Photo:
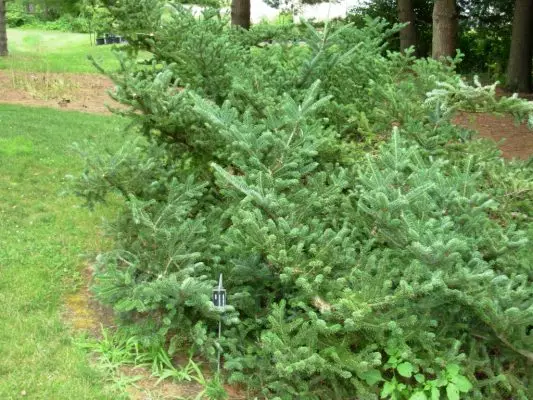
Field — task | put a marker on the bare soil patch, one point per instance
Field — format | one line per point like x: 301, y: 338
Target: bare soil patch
x: 146, y: 387
x: 83, y: 312
x: 516, y: 139
x: 73, y: 92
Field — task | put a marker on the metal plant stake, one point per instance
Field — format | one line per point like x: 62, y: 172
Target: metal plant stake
x: 219, y: 300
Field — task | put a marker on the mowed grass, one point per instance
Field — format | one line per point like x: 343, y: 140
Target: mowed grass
x: 46, y: 51
x: 46, y: 239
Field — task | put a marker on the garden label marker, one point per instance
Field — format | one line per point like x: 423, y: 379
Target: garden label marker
x: 219, y: 300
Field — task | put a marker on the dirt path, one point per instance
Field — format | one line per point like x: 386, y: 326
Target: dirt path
x: 88, y: 93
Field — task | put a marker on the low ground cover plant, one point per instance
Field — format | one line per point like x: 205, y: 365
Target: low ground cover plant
x: 370, y: 248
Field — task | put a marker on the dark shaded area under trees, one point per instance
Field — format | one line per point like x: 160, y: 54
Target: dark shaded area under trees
x: 495, y: 40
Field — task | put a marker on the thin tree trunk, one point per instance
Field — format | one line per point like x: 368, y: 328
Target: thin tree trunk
x: 296, y: 8
x: 520, y: 64
x: 240, y: 13
x: 406, y: 13
x: 445, y: 28
x: 3, y: 32
x: 44, y: 11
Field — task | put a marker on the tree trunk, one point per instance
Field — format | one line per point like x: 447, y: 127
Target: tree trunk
x: 44, y: 11
x: 445, y: 28
x: 296, y: 7
x: 519, y: 67
x: 240, y: 13
x: 406, y: 13
x: 3, y: 32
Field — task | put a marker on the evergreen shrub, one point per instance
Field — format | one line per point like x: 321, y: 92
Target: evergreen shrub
x: 370, y: 248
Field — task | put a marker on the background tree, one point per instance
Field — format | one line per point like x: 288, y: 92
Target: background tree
x: 484, y: 35
x: 3, y: 32
x: 519, y: 68
x: 50, y: 9
x: 240, y: 13
x: 406, y: 13
x: 391, y: 10
x: 240, y: 9
x: 445, y: 28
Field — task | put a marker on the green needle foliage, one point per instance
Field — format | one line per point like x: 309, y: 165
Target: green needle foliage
x: 400, y: 273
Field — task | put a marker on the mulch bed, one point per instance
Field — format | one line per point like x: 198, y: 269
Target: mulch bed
x: 516, y: 141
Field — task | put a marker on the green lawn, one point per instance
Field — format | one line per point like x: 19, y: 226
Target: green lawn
x: 46, y: 51
x: 45, y: 240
